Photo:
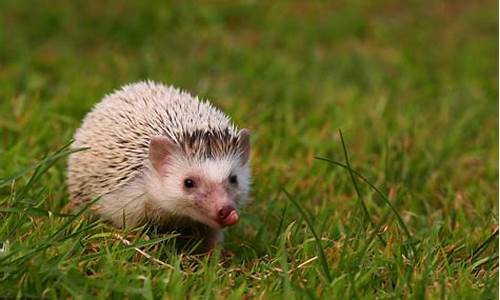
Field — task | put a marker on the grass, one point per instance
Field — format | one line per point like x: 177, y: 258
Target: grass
x: 403, y: 205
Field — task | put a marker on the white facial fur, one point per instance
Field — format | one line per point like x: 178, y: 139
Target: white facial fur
x: 166, y: 186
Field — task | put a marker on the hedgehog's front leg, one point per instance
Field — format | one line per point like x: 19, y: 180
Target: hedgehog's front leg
x: 213, y: 238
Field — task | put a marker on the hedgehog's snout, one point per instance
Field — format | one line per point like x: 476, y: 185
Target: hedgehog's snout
x: 227, y: 216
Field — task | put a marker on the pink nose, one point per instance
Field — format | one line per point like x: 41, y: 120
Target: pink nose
x: 227, y: 216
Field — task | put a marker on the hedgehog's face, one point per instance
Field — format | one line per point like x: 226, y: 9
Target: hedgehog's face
x: 209, y: 191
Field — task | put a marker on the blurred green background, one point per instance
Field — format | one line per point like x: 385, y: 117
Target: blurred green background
x: 412, y: 84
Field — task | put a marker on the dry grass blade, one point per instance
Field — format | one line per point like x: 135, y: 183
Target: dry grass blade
x: 142, y: 252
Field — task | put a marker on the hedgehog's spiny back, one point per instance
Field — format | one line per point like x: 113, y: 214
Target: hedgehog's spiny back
x: 119, y: 129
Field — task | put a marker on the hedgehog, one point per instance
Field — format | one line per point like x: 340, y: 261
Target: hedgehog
x: 154, y: 154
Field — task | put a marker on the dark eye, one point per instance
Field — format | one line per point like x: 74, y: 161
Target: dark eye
x: 233, y: 179
x: 189, y: 183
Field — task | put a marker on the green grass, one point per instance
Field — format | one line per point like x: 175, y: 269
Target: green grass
x: 413, y: 85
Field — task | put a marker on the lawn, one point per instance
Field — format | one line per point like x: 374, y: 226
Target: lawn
x: 403, y: 204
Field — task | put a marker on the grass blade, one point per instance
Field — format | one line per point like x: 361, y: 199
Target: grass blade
x: 372, y: 186
x: 481, y: 247
x: 49, y: 160
x: 321, y: 253
x: 355, y: 184
x: 282, y: 221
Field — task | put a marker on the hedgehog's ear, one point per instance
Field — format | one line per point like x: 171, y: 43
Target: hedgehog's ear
x: 244, y: 145
x: 160, y: 148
